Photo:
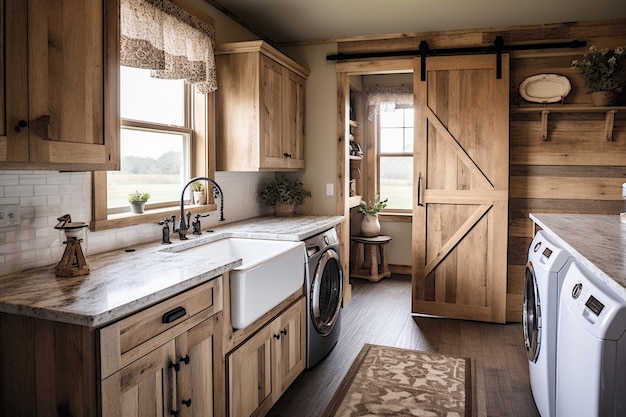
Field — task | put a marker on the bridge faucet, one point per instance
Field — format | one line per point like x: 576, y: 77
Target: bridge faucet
x: 184, y: 226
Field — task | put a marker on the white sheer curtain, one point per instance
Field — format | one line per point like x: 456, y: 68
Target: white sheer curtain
x: 162, y: 37
x: 388, y: 97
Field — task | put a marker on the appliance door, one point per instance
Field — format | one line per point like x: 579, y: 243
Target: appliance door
x: 531, y: 315
x: 326, y: 292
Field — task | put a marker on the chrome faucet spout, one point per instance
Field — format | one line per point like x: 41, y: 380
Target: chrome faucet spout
x: 184, y: 226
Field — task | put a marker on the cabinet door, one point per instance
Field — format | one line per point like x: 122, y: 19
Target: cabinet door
x: 250, y: 376
x: 293, y: 120
x: 271, y: 80
x: 70, y: 120
x: 289, y: 336
x: 146, y: 387
x: 200, y: 380
x: 13, y: 81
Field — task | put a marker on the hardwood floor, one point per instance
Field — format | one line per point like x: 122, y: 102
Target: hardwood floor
x: 380, y: 314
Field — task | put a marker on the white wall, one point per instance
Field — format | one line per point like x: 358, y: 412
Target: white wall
x: 321, y: 125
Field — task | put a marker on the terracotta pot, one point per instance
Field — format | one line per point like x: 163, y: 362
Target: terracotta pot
x: 603, y: 98
x: 284, y: 209
x: 370, y: 226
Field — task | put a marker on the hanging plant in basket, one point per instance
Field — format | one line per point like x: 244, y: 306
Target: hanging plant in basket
x: 284, y: 194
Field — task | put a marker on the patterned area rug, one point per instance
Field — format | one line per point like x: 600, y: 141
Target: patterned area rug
x: 388, y: 381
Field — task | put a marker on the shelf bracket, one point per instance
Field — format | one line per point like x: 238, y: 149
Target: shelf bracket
x: 544, y: 125
x: 608, y: 125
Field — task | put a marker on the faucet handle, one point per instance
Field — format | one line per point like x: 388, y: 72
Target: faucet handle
x: 165, y: 238
x: 196, y: 225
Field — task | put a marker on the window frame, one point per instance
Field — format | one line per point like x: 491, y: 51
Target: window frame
x: 377, y: 138
x: 202, y: 142
x: 202, y: 152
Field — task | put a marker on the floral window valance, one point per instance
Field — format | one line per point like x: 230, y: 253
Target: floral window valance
x: 162, y: 37
x: 390, y: 97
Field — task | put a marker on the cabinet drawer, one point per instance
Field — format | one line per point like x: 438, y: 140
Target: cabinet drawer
x: 132, y: 337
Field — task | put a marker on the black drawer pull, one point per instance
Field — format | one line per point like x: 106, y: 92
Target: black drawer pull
x: 174, y: 315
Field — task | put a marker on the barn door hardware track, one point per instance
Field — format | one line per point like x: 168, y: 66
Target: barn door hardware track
x: 424, y: 51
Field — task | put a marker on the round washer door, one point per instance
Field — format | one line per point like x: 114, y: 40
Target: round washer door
x: 531, y: 315
x: 326, y: 292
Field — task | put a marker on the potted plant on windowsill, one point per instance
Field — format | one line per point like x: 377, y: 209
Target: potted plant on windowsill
x: 604, y: 74
x: 138, y: 201
x: 370, y: 226
x: 284, y: 194
x: 199, y: 195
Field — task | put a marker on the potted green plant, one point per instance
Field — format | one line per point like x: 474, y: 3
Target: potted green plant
x: 604, y: 74
x: 370, y: 226
x: 199, y: 195
x: 284, y: 194
x: 137, y: 201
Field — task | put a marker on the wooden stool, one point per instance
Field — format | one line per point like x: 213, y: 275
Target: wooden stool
x: 370, y: 258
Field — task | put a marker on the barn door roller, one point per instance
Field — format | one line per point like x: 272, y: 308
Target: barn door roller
x: 424, y: 51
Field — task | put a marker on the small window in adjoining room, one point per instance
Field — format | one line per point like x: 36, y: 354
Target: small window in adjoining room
x: 395, y: 156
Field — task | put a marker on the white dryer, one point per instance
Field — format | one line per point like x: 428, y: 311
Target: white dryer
x: 591, y: 354
x: 545, y: 272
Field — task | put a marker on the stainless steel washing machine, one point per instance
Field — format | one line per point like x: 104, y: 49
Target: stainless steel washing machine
x: 324, y: 283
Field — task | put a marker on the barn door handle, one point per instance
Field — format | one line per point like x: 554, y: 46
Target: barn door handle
x: 419, y: 190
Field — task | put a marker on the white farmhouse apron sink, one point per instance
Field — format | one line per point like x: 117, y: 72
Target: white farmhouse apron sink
x: 271, y: 271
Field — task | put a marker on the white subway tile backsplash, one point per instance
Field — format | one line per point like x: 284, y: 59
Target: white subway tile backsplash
x: 33, y: 201
x: 32, y: 179
x: 44, y: 196
x: 18, y: 191
x: 46, y: 189
x: 9, y: 179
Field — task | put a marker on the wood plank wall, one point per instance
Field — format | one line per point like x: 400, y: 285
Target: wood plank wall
x: 577, y: 170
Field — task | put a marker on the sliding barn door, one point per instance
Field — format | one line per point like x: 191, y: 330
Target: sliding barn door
x: 460, y: 218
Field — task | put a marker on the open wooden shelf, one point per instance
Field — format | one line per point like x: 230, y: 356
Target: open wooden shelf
x: 354, y: 201
x: 570, y: 108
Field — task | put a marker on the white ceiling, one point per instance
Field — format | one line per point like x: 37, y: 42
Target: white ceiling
x: 284, y: 21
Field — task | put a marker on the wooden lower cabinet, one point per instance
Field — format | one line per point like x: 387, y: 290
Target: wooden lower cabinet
x: 166, y: 357
x: 262, y: 368
x: 146, y: 385
x: 182, y: 376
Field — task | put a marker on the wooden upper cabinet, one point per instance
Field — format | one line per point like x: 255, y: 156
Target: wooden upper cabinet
x: 259, y: 109
x: 60, y: 106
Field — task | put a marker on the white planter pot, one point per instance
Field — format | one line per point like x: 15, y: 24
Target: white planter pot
x: 370, y: 226
x: 199, y: 197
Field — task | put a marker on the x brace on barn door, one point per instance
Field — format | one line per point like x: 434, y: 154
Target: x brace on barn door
x: 498, y: 48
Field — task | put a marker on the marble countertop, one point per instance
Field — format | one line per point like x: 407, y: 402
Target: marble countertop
x: 126, y: 280
x: 597, y: 241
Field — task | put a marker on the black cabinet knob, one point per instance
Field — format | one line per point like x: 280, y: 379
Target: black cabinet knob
x: 20, y: 125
